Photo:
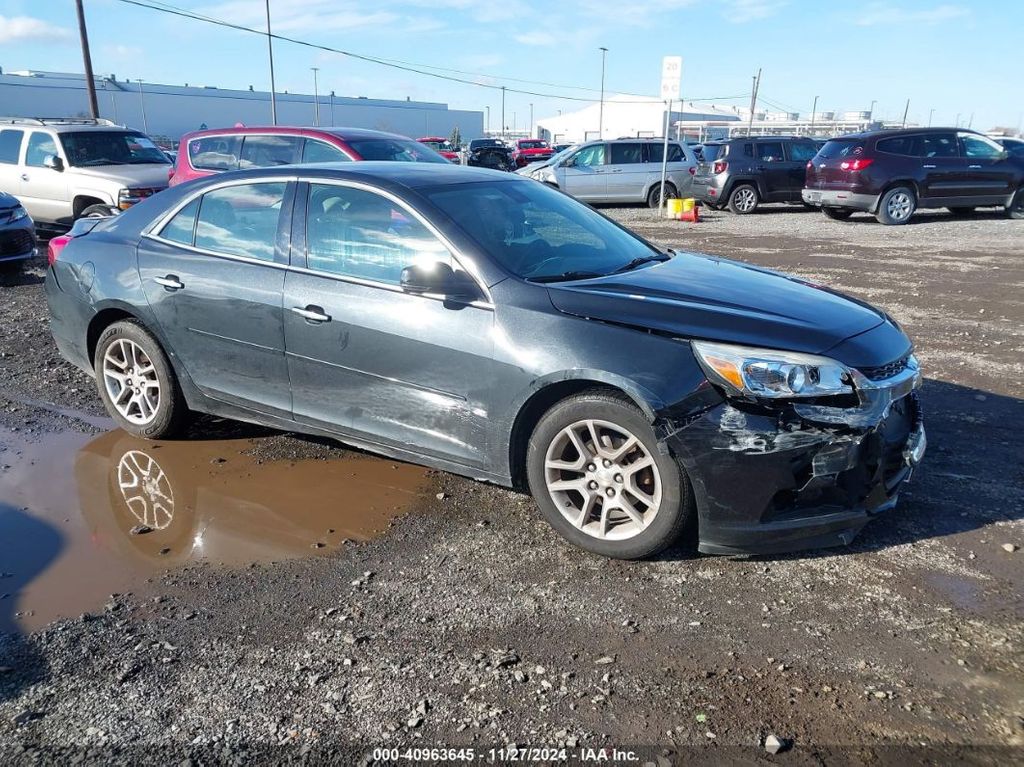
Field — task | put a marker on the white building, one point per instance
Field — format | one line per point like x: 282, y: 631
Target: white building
x: 625, y: 116
x: 168, y: 111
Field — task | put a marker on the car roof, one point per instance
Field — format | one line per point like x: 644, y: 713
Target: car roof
x: 412, y: 175
x: 345, y: 134
x: 887, y: 132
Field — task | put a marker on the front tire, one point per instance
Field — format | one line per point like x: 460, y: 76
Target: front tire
x: 597, y: 473
x: 96, y: 211
x: 896, y: 206
x: 744, y: 199
x: 837, y: 214
x: 137, y: 383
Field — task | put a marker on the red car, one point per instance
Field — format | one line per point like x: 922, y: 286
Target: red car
x: 531, y: 150
x: 213, y: 151
x: 442, y: 146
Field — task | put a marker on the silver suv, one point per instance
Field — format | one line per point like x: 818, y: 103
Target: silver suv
x: 65, y: 169
x: 622, y: 170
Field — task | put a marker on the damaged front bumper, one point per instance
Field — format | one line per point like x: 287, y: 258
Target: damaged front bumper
x: 770, y: 478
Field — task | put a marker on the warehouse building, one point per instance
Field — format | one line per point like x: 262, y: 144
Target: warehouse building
x: 168, y: 111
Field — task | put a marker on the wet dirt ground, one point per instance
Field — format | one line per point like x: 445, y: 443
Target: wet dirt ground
x: 466, y: 621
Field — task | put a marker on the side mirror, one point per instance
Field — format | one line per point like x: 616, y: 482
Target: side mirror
x: 440, y: 279
x: 569, y: 162
x: 53, y: 162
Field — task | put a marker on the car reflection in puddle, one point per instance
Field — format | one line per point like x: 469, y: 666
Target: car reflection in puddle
x: 143, y: 507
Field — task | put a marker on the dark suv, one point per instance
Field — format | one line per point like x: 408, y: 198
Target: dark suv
x: 892, y: 173
x: 744, y: 172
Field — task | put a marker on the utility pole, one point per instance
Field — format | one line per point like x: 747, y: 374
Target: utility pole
x: 753, y: 101
x: 487, y: 128
x: 814, y: 112
x: 531, y: 119
x: 316, y: 99
x: 905, y: 110
x: 503, y: 126
x: 871, y: 110
x: 600, y: 113
x: 142, y: 102
x: 332, y: 108
x: 90, y: 84
x: 270, y: 49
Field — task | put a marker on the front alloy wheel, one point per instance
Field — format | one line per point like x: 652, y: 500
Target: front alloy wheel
x: 599, y: 476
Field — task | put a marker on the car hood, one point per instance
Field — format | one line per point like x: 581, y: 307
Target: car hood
x: 148, y: 176
x: 7, y: 201
x: 701, y: 297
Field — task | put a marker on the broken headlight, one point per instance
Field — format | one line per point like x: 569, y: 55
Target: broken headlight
x: 752, y: 372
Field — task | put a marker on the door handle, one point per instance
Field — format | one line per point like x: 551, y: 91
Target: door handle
x: 973, y: 167
x: 24, y: 177
x: 170, y: 282
x: 617, y: 170
x: 312, y: 313
x: 928, y: 167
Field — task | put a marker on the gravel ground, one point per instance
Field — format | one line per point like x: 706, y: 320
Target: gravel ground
x: 469, y: 623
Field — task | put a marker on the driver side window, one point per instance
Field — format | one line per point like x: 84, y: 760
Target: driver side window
x: 978, y: 148
x: 590, y: 156
x: 40, y: 146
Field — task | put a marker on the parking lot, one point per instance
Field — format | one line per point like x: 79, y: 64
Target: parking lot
x: 417, y: 607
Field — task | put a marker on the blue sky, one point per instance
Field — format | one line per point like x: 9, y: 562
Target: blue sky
x: 956, y: 57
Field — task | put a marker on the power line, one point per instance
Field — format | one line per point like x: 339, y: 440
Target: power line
x: 155, y: 5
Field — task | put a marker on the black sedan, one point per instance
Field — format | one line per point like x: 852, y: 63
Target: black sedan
x: 490, y: 326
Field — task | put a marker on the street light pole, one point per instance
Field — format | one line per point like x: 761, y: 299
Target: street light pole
x: 531, y: 119
x: 905, y: 110
x: 332, y: 108
x: 814, y: 111
x: 142, y: 103
x: 487, y: 129
x: 270, y: 49
x: 930, y: 113
x: 871, y: 110
x: 503, y: 111
x: 600, y: 112
x: 316, y: 98
x: 90, y: 84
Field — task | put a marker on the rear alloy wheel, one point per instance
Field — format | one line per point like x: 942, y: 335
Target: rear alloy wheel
x: 1016, y: 208
x: 137, y: 383
x: 962, y: 212
x: 837, y: 214
x: 896, y: 206
x: 598, y: 476
x: 654, y: 196
x: 744, y: 199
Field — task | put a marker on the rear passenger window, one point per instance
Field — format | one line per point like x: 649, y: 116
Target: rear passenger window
x: 360, y: 234
x: 937, y: 145
x: 903, y: 145
x: 655, y: 152
x: 10, y: 146
x: 241, y: 220
x: 268, y: 151
x: 748, y: 150
x: 215, y: 152
x: 626, y: 154
x: 320, y: 151
x: 769, y: 151
x: 181, y: 228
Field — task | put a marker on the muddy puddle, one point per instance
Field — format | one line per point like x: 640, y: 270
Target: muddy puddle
x: 83, y: 517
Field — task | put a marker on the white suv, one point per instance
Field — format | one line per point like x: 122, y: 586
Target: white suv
x: 65, y: 169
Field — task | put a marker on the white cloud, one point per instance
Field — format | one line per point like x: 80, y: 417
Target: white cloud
x: 877, y: 14
x: 742, y: 11
x: 538, y: 38
x: 15, y: 29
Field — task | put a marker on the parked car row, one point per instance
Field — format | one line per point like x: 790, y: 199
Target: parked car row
x: 889, y: 173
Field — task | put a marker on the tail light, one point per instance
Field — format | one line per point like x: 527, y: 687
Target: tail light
x: 719, y: 167
x: 57, y: 244
x: 693, y: 170
x: 810, y: 164
x: 859, y: 164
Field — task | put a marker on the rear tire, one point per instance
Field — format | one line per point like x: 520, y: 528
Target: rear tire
x: 1015, y: 209
x: 896, y: 206
x: 623, y: 498
x: 837, y: 214
x: 137, y: 383
x: 654, y: 196
x: 962, y: 212
x: 744, y: 199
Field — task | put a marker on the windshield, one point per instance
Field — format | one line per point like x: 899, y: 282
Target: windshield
x: 87, y: 148
x: 539, y: 233
x: 394, y: 149
x: 533, y: 144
